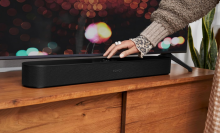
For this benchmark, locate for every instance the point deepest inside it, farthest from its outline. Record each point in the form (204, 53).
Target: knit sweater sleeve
(174, 15)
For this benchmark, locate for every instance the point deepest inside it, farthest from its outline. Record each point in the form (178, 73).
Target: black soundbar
(40, 74)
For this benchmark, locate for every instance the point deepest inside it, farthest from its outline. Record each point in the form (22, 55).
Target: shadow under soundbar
(41, 74)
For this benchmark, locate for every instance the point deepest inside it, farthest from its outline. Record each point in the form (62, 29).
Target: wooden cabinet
(178, 108)
(174, 103)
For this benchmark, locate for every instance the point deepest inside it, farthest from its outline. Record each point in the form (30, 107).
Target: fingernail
(122, 55)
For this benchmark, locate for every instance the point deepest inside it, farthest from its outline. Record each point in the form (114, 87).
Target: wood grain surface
(98, 114)
(177, 108)
(13, 94)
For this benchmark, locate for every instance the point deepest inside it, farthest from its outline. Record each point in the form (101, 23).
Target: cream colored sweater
(174, 15)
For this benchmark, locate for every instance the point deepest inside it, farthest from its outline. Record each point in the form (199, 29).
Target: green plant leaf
(208, 21)
(205, 43)
(208, 63)
(213, 52)
(193, 51)
(198, 56)
(202, 55)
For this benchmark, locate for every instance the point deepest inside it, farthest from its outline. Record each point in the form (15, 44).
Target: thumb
(132, 50)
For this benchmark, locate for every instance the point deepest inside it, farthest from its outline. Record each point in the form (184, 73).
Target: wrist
(142, 44)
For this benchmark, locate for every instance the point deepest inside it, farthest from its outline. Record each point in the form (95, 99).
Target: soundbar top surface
(83, 61)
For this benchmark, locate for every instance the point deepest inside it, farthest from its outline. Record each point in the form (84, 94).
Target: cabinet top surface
(13, 94)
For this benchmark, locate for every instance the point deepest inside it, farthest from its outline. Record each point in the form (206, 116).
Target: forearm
(174, 15)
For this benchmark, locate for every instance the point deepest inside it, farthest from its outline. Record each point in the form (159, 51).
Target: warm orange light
(181, 40)
(68, 51)
(99, 7)
(80, 6)
(103, 30)
(143, 5)
(127, 1)
(84, 7)
(147, 15)
(91, 1)
(76, 5)
(86, 1)
(136, 1)
(140, 11)
(95, 7)
(133, 5)
(89, 7)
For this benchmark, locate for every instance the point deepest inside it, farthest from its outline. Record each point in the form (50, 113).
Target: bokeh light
(147, 15)
(42, 53)
(90, 14)
(181, 40)
(47, 13)
(133, 5)
(4, 53)
(140, 11)
(165, 44)
(143, 5)
(52, 45)
(169, 39)
(21, 53)
(5, 3)
(66, 5)
(95, 31)
(41, 10)
(98, 32)
(33, 53)
(68, 52)
(175, 41)
(103, 30)
(47, 50)
(91, 32)
(159, 45)
(26, 25)
(136, 1)
(31, 49)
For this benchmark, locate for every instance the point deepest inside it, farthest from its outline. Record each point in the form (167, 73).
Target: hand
(128, 44)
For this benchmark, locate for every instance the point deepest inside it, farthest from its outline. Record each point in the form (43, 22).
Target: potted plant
(207, 55)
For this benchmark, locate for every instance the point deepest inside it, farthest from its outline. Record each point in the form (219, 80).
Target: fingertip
(122, 55)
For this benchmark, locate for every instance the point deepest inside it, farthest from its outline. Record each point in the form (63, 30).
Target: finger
(115, 49)
(109, 49)
(132, 50)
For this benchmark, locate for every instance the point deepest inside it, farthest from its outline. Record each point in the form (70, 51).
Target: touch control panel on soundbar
(40, 74)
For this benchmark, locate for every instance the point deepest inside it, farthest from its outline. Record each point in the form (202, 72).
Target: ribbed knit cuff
(155, 32)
